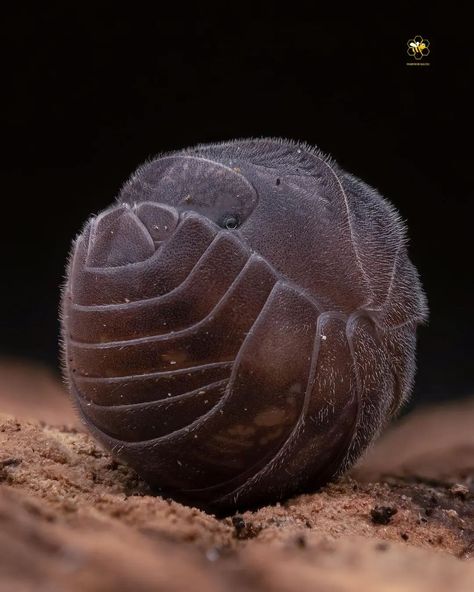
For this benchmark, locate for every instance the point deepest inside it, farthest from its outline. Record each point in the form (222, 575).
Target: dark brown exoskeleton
(241, 323)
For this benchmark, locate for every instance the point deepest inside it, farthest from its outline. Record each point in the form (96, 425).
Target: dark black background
(92, 95)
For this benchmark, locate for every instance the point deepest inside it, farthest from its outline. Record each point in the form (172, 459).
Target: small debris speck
(452, 513)
(239, 524)
(382, 514)
(300, 541)
(459, 490)
(212, 554)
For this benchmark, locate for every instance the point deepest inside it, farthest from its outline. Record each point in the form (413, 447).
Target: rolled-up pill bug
(241, 323)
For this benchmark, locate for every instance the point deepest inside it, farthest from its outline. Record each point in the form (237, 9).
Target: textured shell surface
(241, 323)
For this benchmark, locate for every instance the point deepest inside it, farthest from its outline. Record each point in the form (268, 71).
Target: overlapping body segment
(241, 324)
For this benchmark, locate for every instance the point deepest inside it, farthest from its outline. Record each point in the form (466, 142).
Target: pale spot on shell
(270, 417)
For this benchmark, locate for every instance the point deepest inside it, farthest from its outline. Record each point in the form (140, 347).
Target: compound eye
(230, 221)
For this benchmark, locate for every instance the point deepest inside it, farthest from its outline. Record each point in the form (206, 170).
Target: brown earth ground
(72, 519)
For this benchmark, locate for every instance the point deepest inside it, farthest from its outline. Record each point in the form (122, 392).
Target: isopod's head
(241, 323)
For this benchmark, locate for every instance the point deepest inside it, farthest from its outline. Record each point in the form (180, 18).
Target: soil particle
(382, 514)
(244, 529)
(460, 490)
(239, 525)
